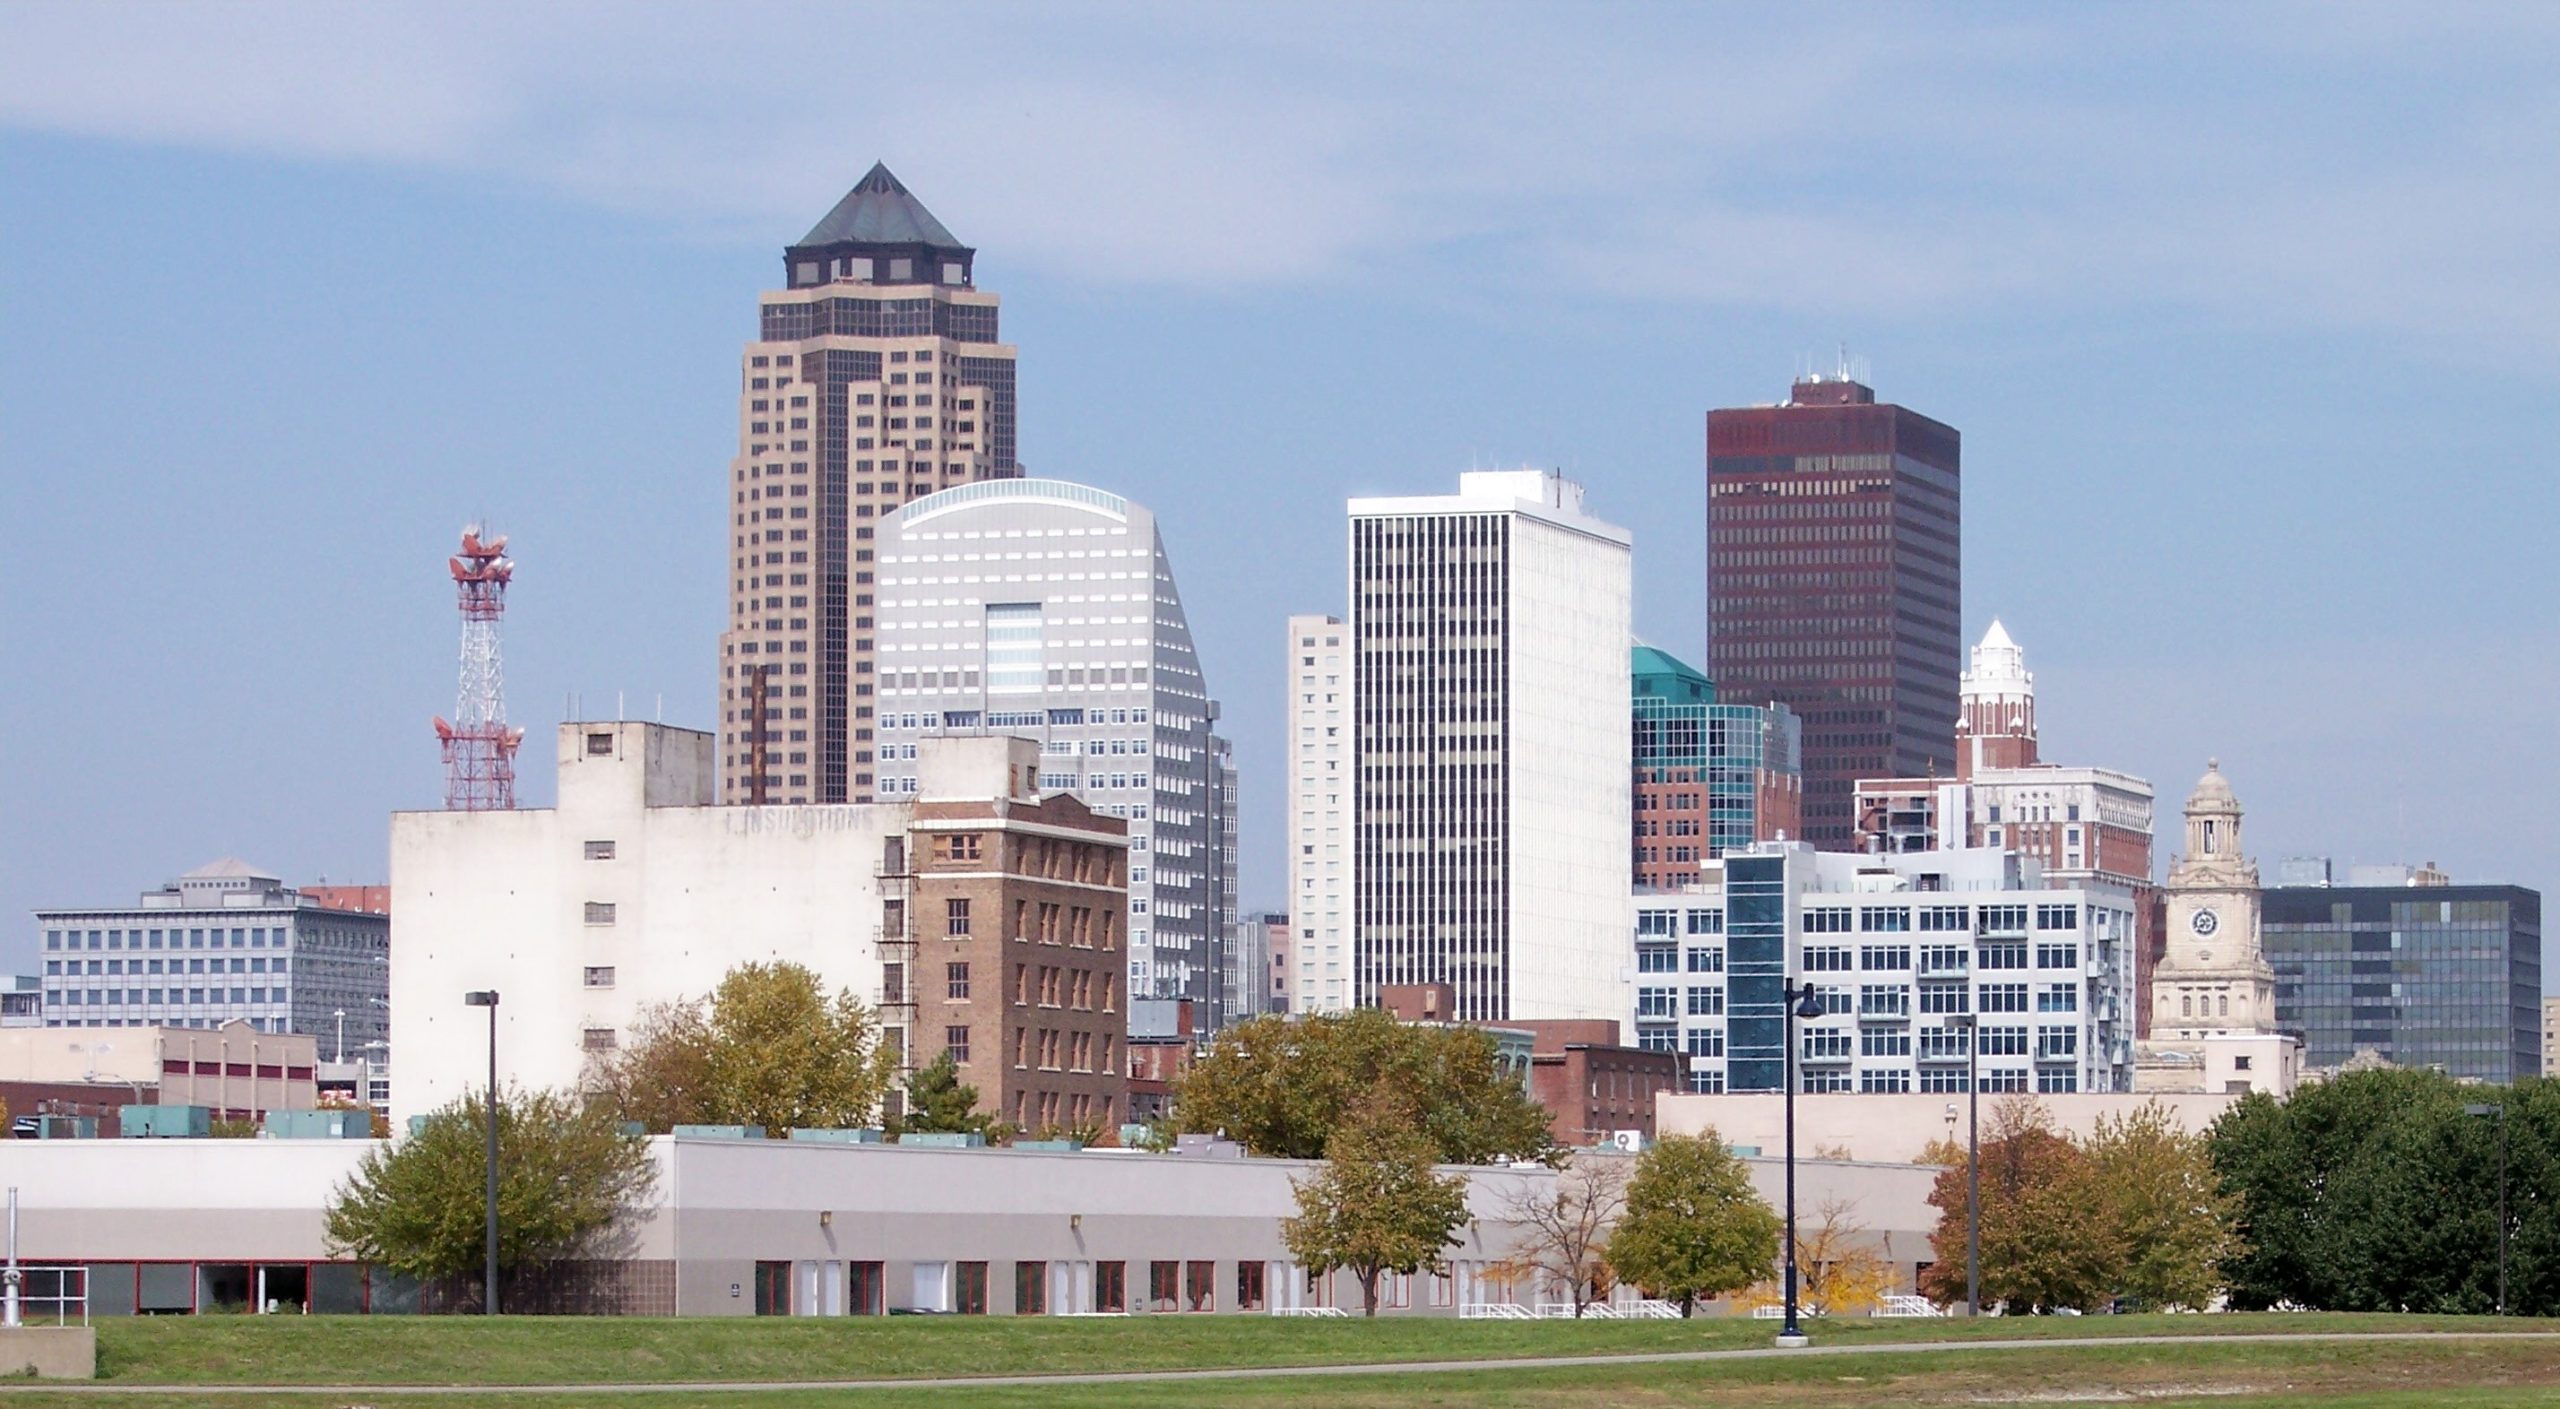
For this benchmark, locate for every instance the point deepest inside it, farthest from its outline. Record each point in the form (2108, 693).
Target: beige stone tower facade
(876, 377)
(2213, 977)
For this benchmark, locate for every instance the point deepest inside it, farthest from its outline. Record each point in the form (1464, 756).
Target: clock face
(2205, 922)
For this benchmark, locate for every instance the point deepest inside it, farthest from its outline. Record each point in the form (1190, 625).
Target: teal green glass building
(1710, 778)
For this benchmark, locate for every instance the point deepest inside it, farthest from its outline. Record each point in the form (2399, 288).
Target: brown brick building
(1008, 947)
(1591, 1086)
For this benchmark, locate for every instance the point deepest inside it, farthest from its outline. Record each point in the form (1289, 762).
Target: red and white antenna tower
(479, 748)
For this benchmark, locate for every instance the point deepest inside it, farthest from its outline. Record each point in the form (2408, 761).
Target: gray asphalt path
(1277, 1372)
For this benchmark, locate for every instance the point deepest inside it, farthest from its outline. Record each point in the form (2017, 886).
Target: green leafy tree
(1694, 1227)
(2042, 1248)
(566, 1171)
(1281, 1087)
(1377, 1205)
(2158, 1189)
(769, 1047)
(660, 1076)
(2377, 1191)
(939, 1102)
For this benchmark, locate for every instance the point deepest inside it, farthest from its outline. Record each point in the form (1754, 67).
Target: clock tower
(2213, 978)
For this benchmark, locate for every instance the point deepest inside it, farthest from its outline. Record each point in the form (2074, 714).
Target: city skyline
(2172, 480)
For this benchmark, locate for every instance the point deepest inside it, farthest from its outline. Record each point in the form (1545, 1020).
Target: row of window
(1992, 919)
(1043, 1288)
(98, 997)
(1928, 1080)
(1940, 958)
(256, 1024)
(254, 937)
(254, 964)
(1706, 1001)
(1824, 1044)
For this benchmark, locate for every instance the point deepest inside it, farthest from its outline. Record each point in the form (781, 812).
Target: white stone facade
(1491, 750)
(634, 890)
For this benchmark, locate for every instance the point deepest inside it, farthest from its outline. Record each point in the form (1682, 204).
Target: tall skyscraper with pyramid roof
(876, 376)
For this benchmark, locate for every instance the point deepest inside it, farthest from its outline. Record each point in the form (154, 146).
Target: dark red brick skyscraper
(1834, 584)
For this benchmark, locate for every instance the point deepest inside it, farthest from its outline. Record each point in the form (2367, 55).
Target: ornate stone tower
(1996, 719)
(2214, 977)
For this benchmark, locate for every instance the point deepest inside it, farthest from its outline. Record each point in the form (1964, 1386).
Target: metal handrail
(32, 1278)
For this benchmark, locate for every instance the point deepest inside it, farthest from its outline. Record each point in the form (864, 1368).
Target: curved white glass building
(1047, 609)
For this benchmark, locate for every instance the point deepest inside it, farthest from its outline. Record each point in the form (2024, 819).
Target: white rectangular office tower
(1047, 610)
(1491, 751)
(1908, 952)
(1319, 952)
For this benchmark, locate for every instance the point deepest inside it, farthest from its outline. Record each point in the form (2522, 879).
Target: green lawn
(561, 1350)
(2466, 1374)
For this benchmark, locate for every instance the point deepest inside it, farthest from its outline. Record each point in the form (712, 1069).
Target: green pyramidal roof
(880, 211)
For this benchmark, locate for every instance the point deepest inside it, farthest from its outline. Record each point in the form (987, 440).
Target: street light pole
(1808, 1004)
(488, 998)
(341, 1058)
(1964, 1023)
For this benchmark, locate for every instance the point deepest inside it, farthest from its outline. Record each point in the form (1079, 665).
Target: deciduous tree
(566, 1171)
(768, 1047)
(1281, 1086)
(2377, 1191)
(1565, 1227)
(1840, 1269)
(1377, 1205)
(2042, 1248)
(2157, 1186)
(660, 1077)
(1694, 1227)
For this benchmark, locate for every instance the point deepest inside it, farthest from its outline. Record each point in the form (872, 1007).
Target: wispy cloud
(2362, 170)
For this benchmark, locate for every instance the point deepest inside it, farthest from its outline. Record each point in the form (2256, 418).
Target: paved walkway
(1275, 1372)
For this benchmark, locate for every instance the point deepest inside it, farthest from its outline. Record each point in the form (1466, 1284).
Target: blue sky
(2250, 317)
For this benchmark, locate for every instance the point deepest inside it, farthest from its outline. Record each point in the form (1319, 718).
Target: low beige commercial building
(1899, 1129)
(236, 1070)
(809, 1228)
